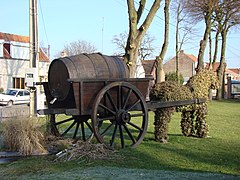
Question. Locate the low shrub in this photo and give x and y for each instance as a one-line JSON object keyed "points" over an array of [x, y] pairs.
{"points": [[167, 91], [194, 117], [172, 76]]}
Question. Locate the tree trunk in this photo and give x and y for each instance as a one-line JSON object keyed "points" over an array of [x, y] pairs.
{"points": [[216, 47], [131, 51], [136, 34], [176, 38], [165, 44], [203, 42], [210, 51], [222, 66]]}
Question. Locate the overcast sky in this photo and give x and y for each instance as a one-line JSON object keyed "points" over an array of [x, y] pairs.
{"points": [[96, 21]]}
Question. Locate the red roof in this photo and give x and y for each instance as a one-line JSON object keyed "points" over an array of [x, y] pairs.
{"points": [[24, 39], [13, 37], [215, 66], [236, 70], [148, 66], [192, 57], [229, 71], [42, 56]]}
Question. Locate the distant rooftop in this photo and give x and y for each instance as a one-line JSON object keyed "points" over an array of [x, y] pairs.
{"points": [[23, 39], [13, 37]]}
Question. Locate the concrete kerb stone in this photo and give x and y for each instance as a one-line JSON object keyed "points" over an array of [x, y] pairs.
{"points": [[6, 154]]}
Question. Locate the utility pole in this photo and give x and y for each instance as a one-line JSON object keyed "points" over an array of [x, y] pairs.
{"points": [[33, 50]]}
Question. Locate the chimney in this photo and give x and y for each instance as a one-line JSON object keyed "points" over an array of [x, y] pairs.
{"points": [[63, 54]]}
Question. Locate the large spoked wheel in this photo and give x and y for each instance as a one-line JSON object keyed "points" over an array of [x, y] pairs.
{"points": [[120, 115], [76, 127]]}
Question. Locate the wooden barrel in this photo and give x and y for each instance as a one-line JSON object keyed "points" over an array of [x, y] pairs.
{"points": [[83, 67]]}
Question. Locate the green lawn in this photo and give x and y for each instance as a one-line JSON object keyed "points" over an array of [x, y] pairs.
{"points": [[219, 153]]}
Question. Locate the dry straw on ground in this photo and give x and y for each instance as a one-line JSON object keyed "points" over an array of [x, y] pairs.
{"points": [[24, 135], [85, 151]]}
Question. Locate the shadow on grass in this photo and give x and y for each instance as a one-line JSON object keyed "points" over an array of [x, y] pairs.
{"points": [[188, 154]]}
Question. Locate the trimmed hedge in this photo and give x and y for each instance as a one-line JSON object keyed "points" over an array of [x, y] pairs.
{"points": [[197, 87]]}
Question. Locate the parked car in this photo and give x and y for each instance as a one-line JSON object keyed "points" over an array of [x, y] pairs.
{"points": [[15, 96]]}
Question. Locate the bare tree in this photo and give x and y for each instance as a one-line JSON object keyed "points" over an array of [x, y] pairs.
{"points": [[145, 51], [120, 42], [137, 30], [78, 47], [214, 59], [200, 10], [227, 16], [183, 26]]}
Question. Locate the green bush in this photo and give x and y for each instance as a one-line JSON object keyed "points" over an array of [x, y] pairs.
{"points": [[197, 87], [167, 91], [172, 76]]}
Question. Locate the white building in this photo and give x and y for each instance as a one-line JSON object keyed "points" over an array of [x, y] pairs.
{"points": [[14, 61]]}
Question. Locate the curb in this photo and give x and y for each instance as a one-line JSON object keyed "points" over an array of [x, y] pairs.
{"points": [[7, 154]]}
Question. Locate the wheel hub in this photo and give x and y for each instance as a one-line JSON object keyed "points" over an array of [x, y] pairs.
{"points": [[123, 117]]}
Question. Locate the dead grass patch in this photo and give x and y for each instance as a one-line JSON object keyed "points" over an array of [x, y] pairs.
{"points": [[24, 135], [67, 149], [86, 152]]}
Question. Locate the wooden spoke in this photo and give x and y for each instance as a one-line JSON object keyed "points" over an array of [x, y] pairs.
{"points": [[121, 136], [133, 125], [83, 131], [129, 134], [89, 126], [70, 127], [127, 98], [107, 128], [106, 118], [113, 136], [111, 101], [76, 130], [119, 99], [134, 104], [137, 115], [64, 121], [106, 108]]}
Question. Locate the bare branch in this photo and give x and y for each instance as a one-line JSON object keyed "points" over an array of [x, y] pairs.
{"points": [[142, 4], [146, 49], [78, 47]]}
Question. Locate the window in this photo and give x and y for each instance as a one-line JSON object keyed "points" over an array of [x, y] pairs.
{"points": [[26, 93], [235, 88], [6, 50], [20, 93], [19, 83]]}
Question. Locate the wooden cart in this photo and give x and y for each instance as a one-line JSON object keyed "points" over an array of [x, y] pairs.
{"points": [[112, 107], [116, 108]]}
